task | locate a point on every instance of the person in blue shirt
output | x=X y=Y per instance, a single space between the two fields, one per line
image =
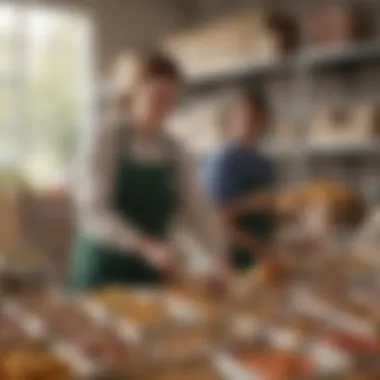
x=240 y=180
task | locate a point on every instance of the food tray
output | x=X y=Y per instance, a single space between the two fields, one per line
x=96 y=335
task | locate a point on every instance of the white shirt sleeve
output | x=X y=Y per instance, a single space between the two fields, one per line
x=198 y=216
x=94 y=188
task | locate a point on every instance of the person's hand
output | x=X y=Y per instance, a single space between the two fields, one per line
x=164 y=256
x=158 y=253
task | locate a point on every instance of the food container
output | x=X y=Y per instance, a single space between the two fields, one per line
x=263 y=363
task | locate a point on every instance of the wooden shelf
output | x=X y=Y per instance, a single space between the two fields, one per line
x=312 y=59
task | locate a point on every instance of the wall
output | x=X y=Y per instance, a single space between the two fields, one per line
x=127 y=24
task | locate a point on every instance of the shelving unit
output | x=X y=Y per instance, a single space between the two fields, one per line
x=314 y=59
x=305 y=69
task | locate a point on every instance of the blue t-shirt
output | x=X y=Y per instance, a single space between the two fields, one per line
x=236 y=171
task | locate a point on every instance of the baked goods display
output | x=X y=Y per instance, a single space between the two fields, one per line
x=67 y=330
x=322 y=207
x=309 y=313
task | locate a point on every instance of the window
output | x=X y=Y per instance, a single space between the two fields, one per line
x=45 y=72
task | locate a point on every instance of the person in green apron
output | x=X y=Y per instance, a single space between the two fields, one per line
x=240 y=180
x=137 y=182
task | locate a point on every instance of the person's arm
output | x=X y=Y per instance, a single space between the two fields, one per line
x=224 y=189
x=196 y=212
x=264 y=200
x=93 y=196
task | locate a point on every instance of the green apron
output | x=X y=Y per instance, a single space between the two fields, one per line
x=260 y=224
x=146 y=195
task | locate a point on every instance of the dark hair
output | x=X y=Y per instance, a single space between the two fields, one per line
x=256 y=99
x=157 y=64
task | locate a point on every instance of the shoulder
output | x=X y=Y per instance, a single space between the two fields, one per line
x=228 y=156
